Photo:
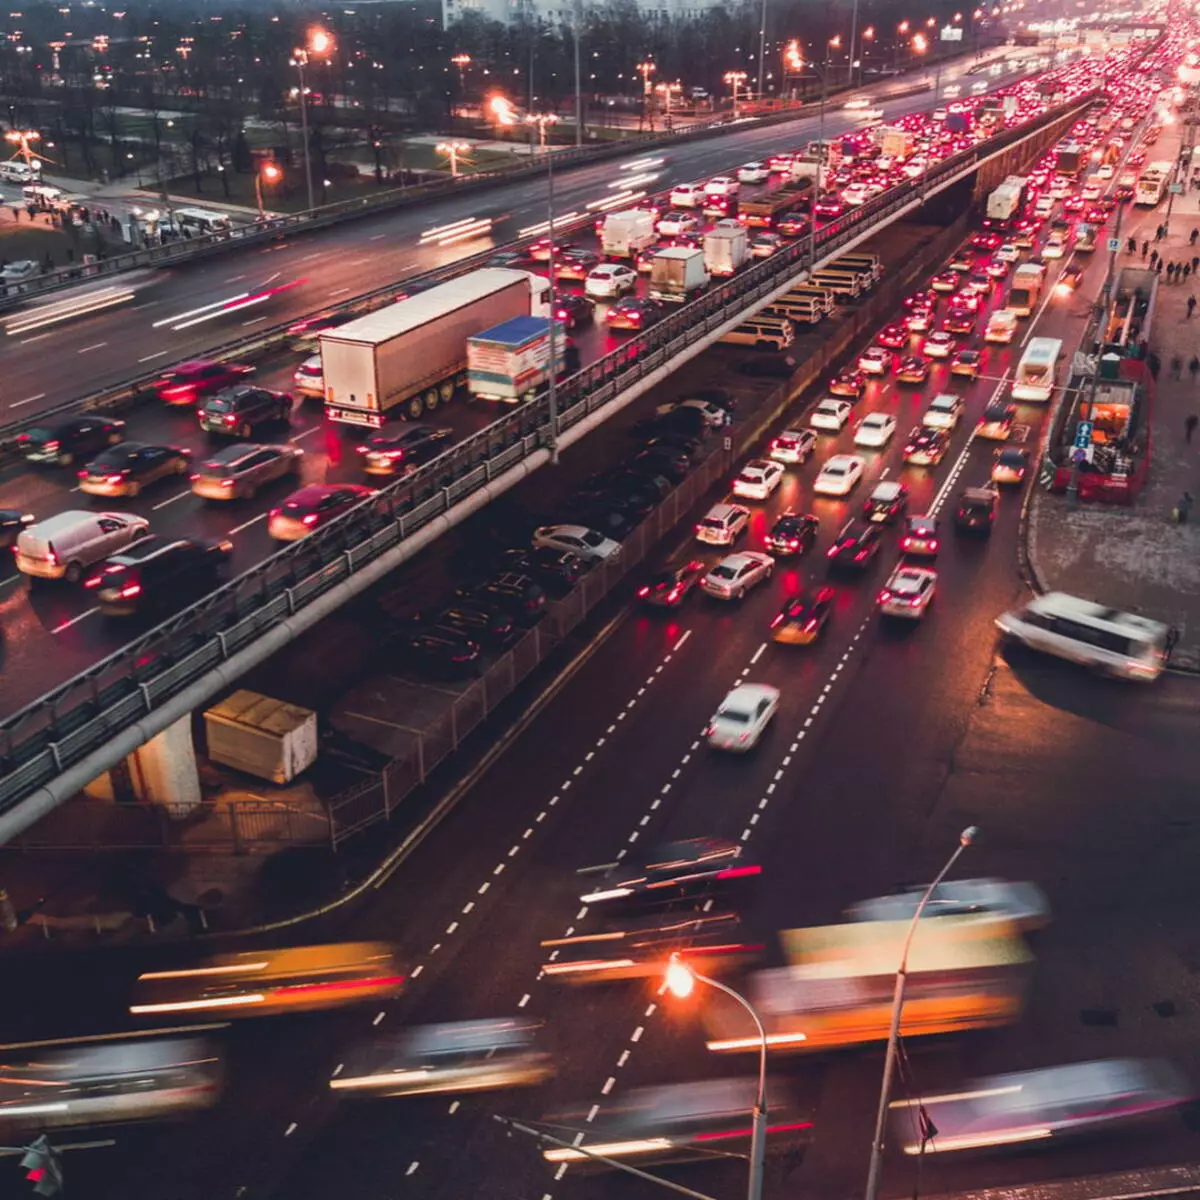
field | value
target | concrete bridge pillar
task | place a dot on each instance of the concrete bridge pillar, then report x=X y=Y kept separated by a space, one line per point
x=163 y=772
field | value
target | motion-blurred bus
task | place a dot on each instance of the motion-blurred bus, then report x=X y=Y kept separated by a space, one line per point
x=963 y=973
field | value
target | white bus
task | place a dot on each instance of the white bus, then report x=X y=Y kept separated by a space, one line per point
x=1037 y=370
x=1151 y=184
x=1105 y=639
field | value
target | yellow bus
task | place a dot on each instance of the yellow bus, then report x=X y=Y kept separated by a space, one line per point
x=966 y=972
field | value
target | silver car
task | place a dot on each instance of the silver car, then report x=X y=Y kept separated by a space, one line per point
x=236 y=472
x=1022 y=903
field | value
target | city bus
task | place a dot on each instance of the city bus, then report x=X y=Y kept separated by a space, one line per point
x=966 y=972
x=1151 y=184
x=1037 y=370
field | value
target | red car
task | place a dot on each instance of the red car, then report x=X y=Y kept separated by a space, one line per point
x=191 y=380
x=311 y=507
x=894 y=337
x=985 y=241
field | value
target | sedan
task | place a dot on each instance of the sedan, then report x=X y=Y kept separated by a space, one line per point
x=589 y=545
x=802 y=619
x=126 y=468
x=894 y=337
x=793 y=446
x=913 y=369
x=399 y=449
x=996 y=268
x=313 y=507
x=191 y=380
x=633 y=313
x=926 y=447
x=855 y=546
x=1070 y=279
x=555 y=570
x=763 y=245
x=752 y=172
x=65 y=440
x=793 y=533
x=966 y=362
x=670 y=587
x=839 y=475
x=792 y=224
x=443 y=652
x=673 y=223
x=309 y=378
x=742 y=717
x=236 y=472
x=573 y=310
x=1010 y=465
x=945 y=281
x=908 y=593
x=758 y=479
x=1007 y=253
x=886 y=503
x=959 y=321
x=920 y=319
x=737 y=573
x=610 y=279
x=875 y=360
x=576 y=264
x=940 y=344
x=722 y=185
x=920 y=537
x=875 y=430
x=830 y=415
x=829 y=207
x=944 y=412
x=848 y=383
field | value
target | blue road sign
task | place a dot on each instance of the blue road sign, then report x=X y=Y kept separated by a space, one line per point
x=1083 y=434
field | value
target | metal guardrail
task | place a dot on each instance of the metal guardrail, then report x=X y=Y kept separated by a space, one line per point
x=66 y=724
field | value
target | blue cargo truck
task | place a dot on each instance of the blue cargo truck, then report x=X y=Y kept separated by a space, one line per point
x=510 y=362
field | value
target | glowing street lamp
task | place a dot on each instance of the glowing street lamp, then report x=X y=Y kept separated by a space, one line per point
x=269 y=174
x=319 y=44
x=452 y=150
x=680 y=980
x=20 y=138
x=735 y=79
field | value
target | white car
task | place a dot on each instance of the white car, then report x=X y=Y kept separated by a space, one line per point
x=940 y=344
x=839 y=475
x=610 y=279
x=1055 y=247
x=752 y=172
x=1091 y=192
x=876 y=360
x=1007 y=252
x=744 y=714
x=830 y=414
x=875 y=430
x=793 y=445
x=908 y=592
x=687 y=195
x=672 y=224
x=722 y=524
x=758 y=479
x=857 y=104
x=589 y=545
x=1104 y=171
x=714 y=415
x=722 y=185
x=736 y=574
x=309 y=378
x=1022 y=903
x=23 y=268
x=855 y=194
x=944 y=412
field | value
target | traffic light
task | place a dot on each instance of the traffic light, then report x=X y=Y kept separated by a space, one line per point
x=43 y=1167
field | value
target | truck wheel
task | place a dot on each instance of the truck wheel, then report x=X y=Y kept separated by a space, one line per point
x=446 y=390
x=431 y=400
x=415 y=408
x=74 y=572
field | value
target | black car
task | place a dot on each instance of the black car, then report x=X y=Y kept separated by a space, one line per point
x=670 y=587
x=558 y=571
x=634 y=313
x=399 y=449
x=886 y=503
x=856 y=545
x=792 y=224
x=849 y=384
x=517 y=594
x=793 y=533
x=802 y=619
x=64 y=440
x=663 y=462
x=128 y=467
x=685 y=873
x=239 y=411
x=689 y=421
x=633 y=503
x=443 y=652
x=157 y=573
x=509 y=258
x=976 y=510
x=305 y=335
x=771 y=364
x=12 y=521
x=645 y=481
x=676 y=443
x=491 y=627
x=573 y=308
x=926 y=447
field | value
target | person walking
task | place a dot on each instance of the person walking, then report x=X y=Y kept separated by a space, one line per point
x=1182 y=507
x=1187 y=270
x=1193 y=236
x=1170 y=272
x=1176 y=366
x=1131 y=245
x=1193 y=367
x=1153 y=258
x=1145 y=250
x=1158 y=268
x=1196 y=262
x=1189 y=427
x=1160 y=233
x=1191 y=306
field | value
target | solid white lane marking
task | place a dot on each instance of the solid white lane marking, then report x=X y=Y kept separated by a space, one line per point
x=28 y=400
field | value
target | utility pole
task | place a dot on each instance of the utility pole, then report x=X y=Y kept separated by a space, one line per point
x=853 y=38
x=578 y=75
x=762 y=50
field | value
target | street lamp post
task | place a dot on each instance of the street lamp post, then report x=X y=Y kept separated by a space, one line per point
x=823 y=75
x=762 y=50
x=735 y=79
x=452 y=150
x=853 y=39
x=320 y=44
x=542 y=121
x=681 y=981
x=965 y=839
x=270 y=174
x=901 y=34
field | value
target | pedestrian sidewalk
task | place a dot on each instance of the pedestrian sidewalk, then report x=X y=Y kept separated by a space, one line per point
x=1137 y=558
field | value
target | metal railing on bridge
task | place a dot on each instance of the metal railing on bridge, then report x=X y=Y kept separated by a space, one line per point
x=69 y=723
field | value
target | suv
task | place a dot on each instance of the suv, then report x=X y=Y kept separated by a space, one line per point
x=976 y=510
x=239 y=410
x=722 y=524
x=157 y=573
x=517 y=594
x=62 y=440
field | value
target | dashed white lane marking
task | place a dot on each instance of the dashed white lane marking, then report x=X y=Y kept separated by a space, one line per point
x=592 y=1113
x=93 y=346
x=758 y=653
x=523 y=1001
x=378 y=1017
x=28 y=400
x=338 y=1070
x=687 y=633
x=609 y=1084
x=247 y=524
x=454 y=1107
x=412 y=1168
x=624 y=1058
x=417 y=970
x=290 y=1129
x=74 y=620
x=172 y=500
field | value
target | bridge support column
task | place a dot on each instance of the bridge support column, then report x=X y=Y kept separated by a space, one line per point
x=163 y=772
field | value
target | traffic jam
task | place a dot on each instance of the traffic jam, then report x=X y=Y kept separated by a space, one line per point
x=232 y=461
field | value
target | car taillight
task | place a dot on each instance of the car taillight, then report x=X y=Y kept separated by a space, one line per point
x=860 y=555
x=884 y=596
x=51 y=446
x=643 y=592
x=831 y=552
x=130 y=590
x=81 y=474
x=93 y=581
x=274 y=512
x=193 y=478
x=932 y=545
x=115 y=478
x=738 y=872
x=227 y=483
x=674 y=594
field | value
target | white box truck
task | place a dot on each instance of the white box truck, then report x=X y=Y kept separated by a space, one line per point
x=726 y=249
x=268 y=738
x=1005 y=202
x=676 y=274
x=412 y=356
x=626 y=233
x=893 y=140
x=509 y=363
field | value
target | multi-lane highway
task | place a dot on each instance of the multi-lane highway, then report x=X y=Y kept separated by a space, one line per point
x=887 y=742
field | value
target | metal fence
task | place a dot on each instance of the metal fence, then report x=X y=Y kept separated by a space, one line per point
x=63 y=727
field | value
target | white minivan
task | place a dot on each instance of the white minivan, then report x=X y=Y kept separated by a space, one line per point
x=63 y=546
